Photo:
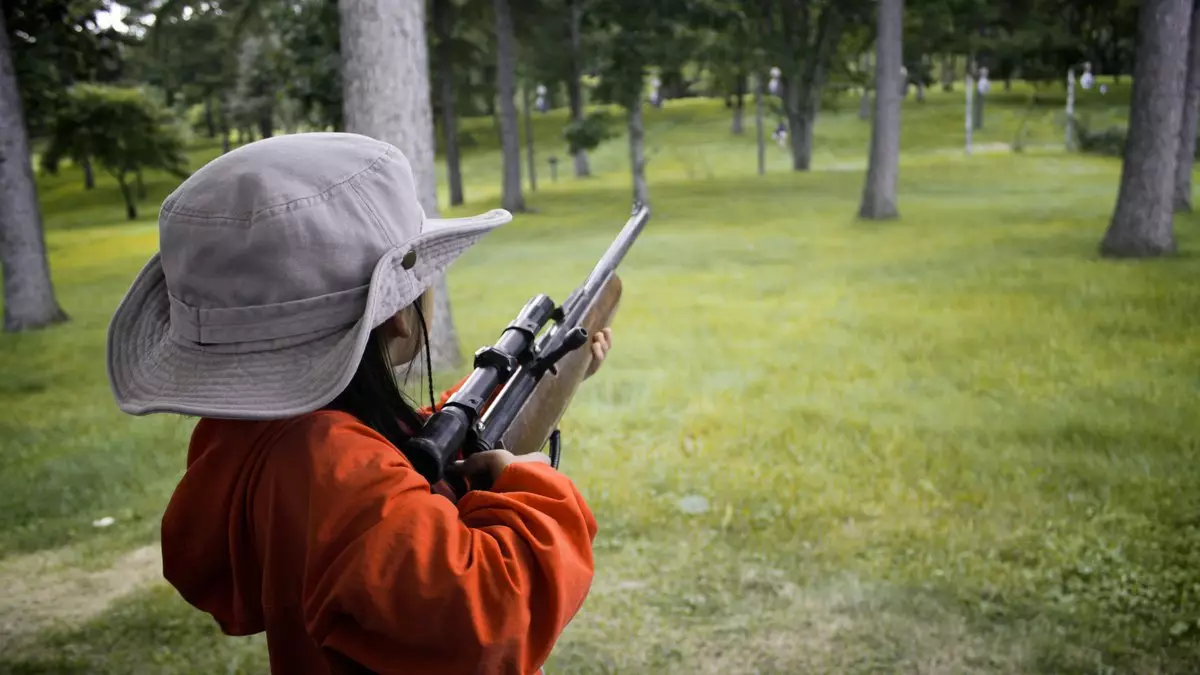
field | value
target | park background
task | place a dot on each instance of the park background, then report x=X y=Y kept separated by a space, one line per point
x=954 y=439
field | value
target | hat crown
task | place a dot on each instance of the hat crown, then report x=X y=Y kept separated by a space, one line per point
x=286 y=219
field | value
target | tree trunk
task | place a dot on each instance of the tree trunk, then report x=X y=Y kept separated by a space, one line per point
x=443 y=22
x=210 y=124
x=506 y=84
x=266 y=123
x=739 y=104
x=29 y=300
x=864 y=104
x=528 y=104
x=1191 y=109
x=385 y=95
x=574 y=88
x=224 y=140
x=879 y=192
x=758 y=124
x=89 y=174
x=127 y=195
x=920 y=90
x=947 y=73
x=637 y=152
x=1141 y=223
x=801 y=113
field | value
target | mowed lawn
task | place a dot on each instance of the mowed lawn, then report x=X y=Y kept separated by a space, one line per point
x=959 y=442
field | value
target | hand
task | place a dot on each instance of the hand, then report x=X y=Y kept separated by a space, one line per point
x=601 y=343
x=483 y=468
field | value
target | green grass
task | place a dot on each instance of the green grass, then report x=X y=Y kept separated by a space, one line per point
x=957 y=443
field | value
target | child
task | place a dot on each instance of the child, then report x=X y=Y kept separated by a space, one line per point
x=293 y=273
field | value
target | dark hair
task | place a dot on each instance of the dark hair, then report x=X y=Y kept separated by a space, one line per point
x=373 y=395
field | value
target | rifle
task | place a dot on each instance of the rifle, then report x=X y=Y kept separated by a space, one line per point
x=522 y=384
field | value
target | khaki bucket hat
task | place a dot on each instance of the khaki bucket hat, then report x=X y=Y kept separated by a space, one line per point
x=276 y=261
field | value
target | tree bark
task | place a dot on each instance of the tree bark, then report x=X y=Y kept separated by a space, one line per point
x=758 y=124
x=210 y=124
x=528 y=104
x=804 y=89
x=574 y=88
x=266 y=123
x=637 y=152
x=443 y=22
x=29 y=301
x=801 y=114
x=1141 y=224
x=89 y=174
x=506 y=85
x=947 y=73
x=385 y=95
x=127 y=195
x=879 y=192
x=1191 y=109
x=739 y=104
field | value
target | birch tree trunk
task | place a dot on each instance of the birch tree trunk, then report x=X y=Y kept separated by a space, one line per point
x=385 y=95
x=1141 y=224
x=1191 y=109
x=506 y=84
x=879 y=192
x=443 y=23
x=637 y=152
x=29 y=300
x=89 y=174
x=574 y=87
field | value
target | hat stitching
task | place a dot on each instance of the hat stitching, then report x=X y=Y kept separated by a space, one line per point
x=371 y=210
x=282 y=207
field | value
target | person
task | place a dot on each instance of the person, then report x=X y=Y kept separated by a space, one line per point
x=293 y=274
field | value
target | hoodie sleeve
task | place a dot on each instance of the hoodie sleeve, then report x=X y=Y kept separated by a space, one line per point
x=400 y=580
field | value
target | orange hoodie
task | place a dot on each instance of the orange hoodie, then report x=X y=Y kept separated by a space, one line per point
x=318 y=531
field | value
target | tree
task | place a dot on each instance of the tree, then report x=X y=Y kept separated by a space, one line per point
x=1141 y=222
x=1191 y=109
x=575 y=86
x=121 y=129
x=506 y=84
x=802 y=37
x=635 y=35
x=386 y=96
x=29 y=300
x=879 y=192
x=444 y=14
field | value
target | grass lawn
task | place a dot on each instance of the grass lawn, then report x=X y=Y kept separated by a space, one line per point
x=959 y=442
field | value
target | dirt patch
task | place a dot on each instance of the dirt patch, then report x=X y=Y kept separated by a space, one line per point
x=48 y=589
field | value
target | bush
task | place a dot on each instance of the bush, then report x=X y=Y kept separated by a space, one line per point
x=1109 y=141
x=588 y=133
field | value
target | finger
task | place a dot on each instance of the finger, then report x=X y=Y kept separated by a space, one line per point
x=534 y=457
x=607 y=336
x=597 y=351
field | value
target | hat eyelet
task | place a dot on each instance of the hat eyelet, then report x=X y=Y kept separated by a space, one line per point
x=409 y=259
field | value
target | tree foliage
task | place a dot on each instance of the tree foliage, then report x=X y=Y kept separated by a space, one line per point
x=56 y=43
x=121 y=129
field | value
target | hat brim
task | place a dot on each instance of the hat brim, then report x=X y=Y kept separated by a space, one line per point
x=150 y=371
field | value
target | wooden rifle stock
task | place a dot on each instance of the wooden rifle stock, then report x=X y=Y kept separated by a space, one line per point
x=541 y=413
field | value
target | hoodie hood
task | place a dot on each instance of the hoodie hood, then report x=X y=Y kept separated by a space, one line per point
x=208 y=546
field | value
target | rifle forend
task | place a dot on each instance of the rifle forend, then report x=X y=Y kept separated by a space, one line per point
x=522 y=385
